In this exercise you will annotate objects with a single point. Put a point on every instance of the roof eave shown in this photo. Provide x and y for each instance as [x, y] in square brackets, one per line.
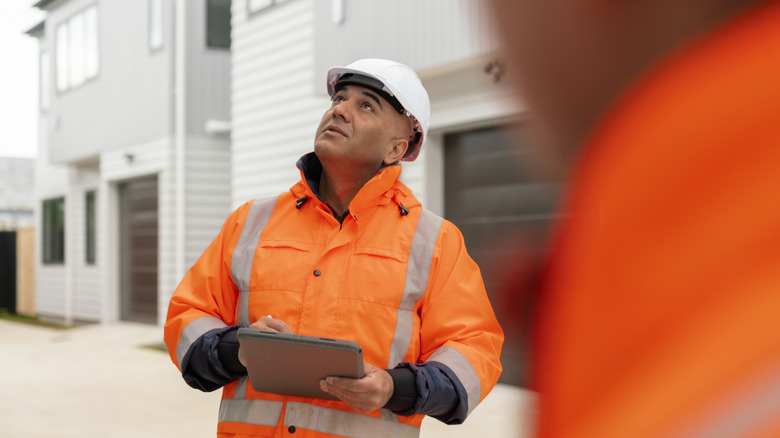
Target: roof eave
[37, 30]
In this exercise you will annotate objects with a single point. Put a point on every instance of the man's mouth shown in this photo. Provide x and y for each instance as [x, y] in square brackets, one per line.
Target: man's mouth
[335, 129]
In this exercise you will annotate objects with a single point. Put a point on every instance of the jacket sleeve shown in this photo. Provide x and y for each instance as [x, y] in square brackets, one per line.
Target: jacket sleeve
[430, 389]
[201, 324]
[460, 336]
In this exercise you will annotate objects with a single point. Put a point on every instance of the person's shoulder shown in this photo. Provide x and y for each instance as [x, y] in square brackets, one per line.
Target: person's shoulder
[240, 214]
[449, 231]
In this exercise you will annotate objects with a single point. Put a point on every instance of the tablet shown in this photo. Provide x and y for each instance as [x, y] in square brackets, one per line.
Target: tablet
[284, 363]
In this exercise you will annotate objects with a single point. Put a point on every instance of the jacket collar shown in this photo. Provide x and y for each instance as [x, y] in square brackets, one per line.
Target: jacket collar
[379, 190]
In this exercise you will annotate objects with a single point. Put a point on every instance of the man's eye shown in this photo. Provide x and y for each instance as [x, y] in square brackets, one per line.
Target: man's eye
[368, 106]
[338, 99]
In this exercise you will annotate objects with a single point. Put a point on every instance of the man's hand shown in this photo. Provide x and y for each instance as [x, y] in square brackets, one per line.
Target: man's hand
[267, 323]
[365, 395]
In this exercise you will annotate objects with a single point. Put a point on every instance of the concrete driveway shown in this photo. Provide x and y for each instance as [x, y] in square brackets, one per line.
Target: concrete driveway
[100, 381]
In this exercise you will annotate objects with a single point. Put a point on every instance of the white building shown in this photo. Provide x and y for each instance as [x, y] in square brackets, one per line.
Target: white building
[131, 184]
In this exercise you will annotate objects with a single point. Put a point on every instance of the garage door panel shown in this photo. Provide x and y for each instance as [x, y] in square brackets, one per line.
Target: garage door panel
[504, 206]
[139, 249]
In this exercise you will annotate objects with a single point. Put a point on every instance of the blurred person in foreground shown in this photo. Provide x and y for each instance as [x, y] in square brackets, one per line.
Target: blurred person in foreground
[660, 316]
[348, 253]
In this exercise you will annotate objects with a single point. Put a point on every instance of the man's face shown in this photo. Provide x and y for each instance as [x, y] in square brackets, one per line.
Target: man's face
[359, 130]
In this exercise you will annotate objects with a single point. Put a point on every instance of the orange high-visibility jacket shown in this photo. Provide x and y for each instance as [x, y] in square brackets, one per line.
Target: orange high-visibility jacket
[662, 316]
[399, 284]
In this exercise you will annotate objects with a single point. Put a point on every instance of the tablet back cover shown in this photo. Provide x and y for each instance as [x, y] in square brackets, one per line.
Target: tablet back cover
[282, 363]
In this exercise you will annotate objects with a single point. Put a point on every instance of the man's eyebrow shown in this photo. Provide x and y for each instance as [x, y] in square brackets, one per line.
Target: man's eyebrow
[374, 97]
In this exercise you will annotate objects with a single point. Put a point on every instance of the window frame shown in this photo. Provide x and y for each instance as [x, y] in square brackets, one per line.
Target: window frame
[69, 74]
[44, 80]
[156, 27]
[53, 231]
[90, 230]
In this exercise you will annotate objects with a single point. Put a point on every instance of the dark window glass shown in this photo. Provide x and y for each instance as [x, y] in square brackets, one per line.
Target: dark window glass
[90, 227]
[218, 23]
[54, 231]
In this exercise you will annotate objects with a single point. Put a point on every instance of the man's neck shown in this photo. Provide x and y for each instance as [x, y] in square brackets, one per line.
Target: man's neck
[339, 191]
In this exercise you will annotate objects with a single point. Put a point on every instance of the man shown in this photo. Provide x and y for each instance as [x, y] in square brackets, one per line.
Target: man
[348, 253]
[660, 313]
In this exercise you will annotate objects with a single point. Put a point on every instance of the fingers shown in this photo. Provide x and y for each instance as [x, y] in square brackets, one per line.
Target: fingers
[279, 325]
[365, 395]
[271, 324]
[241, 357]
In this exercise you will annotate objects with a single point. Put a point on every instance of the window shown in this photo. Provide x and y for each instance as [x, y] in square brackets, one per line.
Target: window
[77, 49]
[54, 231]
[62, 56]
[45, 77]
[155, 24]
[218, 23]
[89, 227]
[259, 5]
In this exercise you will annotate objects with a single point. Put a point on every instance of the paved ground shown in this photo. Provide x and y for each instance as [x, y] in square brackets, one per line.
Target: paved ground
[100, 381]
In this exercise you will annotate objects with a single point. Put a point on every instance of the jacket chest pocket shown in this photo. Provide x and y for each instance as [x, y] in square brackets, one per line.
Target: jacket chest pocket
[375, 275]
[281, 265]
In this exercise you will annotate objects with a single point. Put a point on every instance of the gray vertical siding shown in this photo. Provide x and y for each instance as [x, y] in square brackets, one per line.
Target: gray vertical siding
[129, 100]
[208, 73]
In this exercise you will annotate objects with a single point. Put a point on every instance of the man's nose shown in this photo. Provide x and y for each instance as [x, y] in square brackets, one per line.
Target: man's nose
[341, 109]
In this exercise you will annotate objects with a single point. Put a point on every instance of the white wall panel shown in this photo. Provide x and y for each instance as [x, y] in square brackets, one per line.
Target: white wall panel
[275, 109]
[129, 100]
[208, 193]
[49, 293]
[85, 278]
[422, 34]
[50, 182]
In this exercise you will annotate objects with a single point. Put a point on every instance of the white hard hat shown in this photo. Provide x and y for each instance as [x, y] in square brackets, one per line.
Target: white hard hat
[398, 84]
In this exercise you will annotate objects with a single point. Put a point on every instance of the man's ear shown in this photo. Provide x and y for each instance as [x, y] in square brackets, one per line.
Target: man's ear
[396, 151]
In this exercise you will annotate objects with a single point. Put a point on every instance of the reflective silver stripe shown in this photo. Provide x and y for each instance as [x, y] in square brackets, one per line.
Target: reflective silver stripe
[243, 309]
[241, 388]
[343, 423]
[259, 412]
[417, 270]
[195, 329]
[462, 368]
[244, 253]
[746, 414]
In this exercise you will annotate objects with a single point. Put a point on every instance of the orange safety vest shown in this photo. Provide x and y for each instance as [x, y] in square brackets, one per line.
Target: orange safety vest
[661, 316]
[400, 285]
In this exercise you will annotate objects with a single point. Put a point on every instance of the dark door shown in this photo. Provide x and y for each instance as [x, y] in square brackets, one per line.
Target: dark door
[503, 206]
[8, 271]
[138, 254]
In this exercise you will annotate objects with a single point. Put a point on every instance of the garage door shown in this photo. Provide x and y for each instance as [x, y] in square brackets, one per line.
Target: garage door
[503, 206]
[138, 255]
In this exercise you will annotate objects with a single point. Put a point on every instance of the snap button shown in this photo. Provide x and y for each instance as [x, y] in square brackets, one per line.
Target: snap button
[317, 273]
[291, 429]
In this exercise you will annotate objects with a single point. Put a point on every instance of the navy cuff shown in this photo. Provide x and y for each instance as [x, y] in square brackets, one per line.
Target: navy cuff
[404, 390]
[227, 352]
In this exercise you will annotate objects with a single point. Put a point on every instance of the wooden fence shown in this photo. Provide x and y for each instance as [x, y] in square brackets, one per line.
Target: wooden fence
[25, 271]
